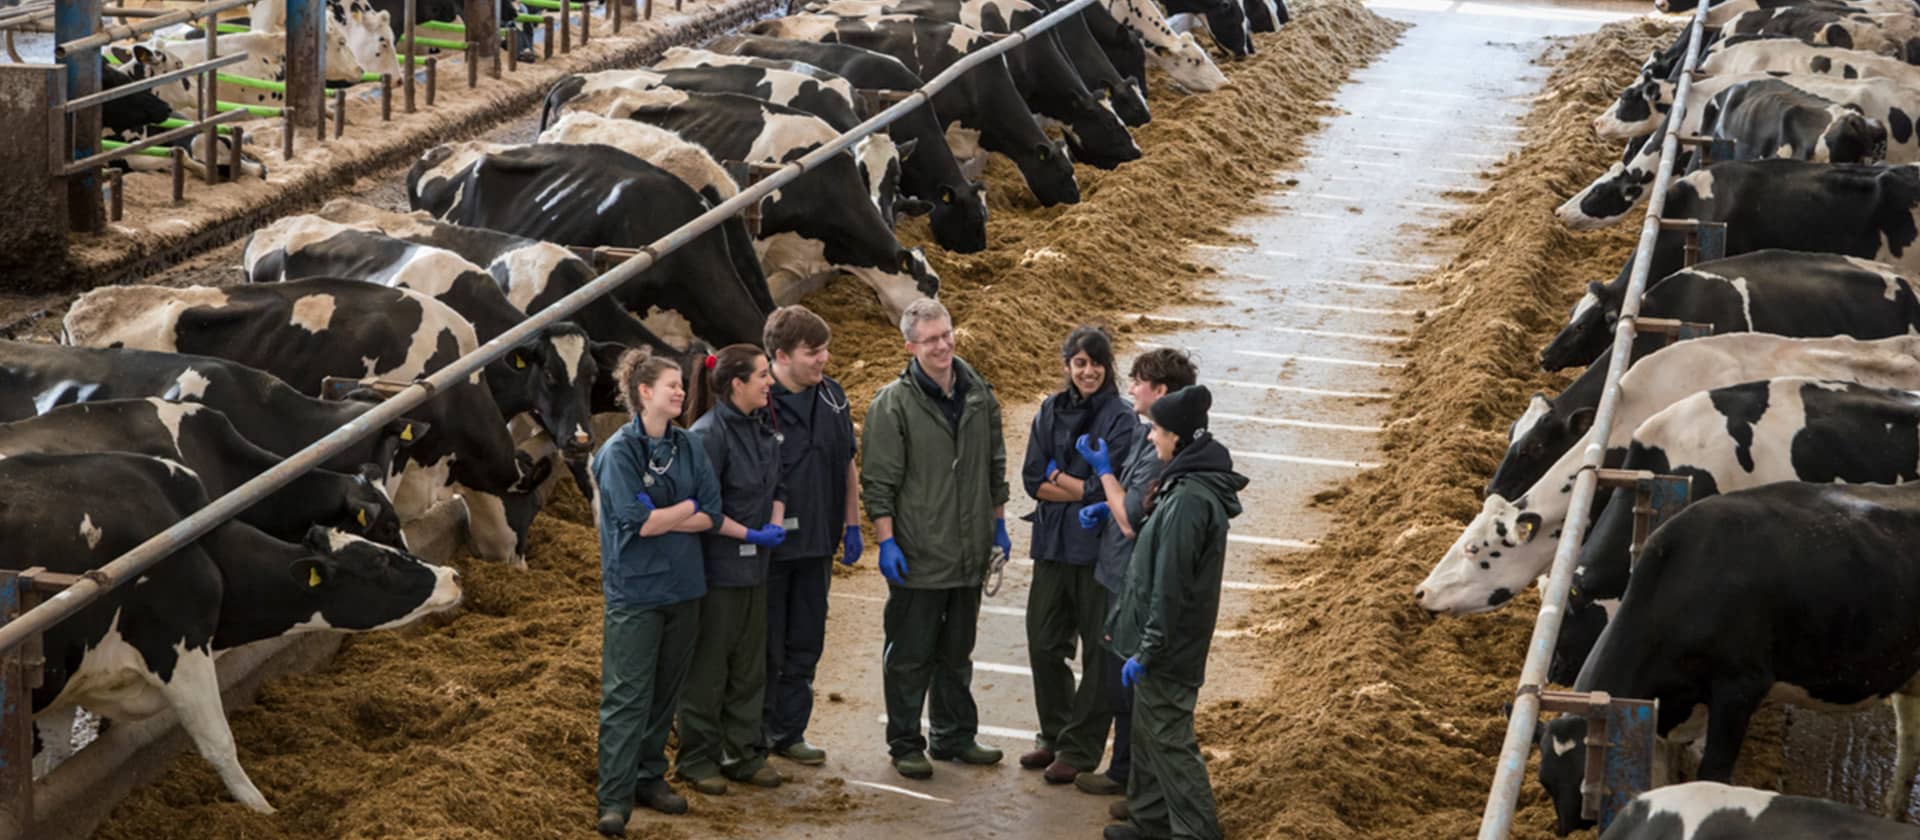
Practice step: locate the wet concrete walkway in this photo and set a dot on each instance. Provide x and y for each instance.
(1301, 348)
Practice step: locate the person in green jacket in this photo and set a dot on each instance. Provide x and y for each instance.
(654, 495)
(1163, 621)
(934, 479)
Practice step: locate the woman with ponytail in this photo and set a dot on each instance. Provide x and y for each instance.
(655, 494)
(1066, 606)
(1163, 621)
(721, 709)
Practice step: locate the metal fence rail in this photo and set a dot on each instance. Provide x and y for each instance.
(1502, 800)
(73, 598)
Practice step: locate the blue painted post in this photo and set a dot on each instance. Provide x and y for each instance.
(73, 20)
(1631, 729)
(306, 62)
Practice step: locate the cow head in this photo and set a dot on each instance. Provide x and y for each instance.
(370, 510)
(554, 373)
(1675, 6)
(1097, 135)
(1579, 631)
(1638, 110)
(1500, 551)
(1048, 171)
(1187, 64)
(131, 114)
(1538, 439)
(1607, 200)
(959, 216)
(352, 584)
(1851, 137)
(152, 58)
(1587, 332)
(908, 280)
(364, 39)
(879, 163)
(1563, 767)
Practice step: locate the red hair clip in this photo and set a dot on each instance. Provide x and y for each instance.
(712, 360)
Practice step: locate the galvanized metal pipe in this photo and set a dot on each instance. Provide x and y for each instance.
(110, 34)
(1509, 774)
(150, 82)
(96, 161)
(130, 565)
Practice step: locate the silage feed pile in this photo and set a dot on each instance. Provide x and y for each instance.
(1381, 721)
(483, 725)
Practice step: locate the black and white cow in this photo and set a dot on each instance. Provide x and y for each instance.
(1891, 34)
(129, 115)
(357, 43)
(203, 440)
(1551, 428)
(305, 330)
(1046, 80)
(1125, 49)
(1126, 92)
(1819, 613)
(1512, 539)
(820, 227)
(599, 195)
(1713, 811)
(879, 160)
(1850, 209)
(549, 375)
(1174, 51)
(980, 112)
(1733, 438)
(1638, 110)
(1719, 14)
(37, 377)
(1768, 115)
(1006, 16)
(928, 171)
(150, 645)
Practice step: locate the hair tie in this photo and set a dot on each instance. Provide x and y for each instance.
(711, 361)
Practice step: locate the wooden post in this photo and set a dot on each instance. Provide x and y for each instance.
(493, 70)
(210, 99)
(339, 112)
(179, 176)
(73, 20)
(117, 183)
(235, 155)
(566, 26)
(482, 20)
(513, 55)
(473, 65)
(613, 10)
(16, 716)
(433, 75)
(306, 101)
(586, 22)
(386, 97)
(286, 134)
(406, 58)
(547, 47)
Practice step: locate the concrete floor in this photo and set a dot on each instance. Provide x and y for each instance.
(1301, 351)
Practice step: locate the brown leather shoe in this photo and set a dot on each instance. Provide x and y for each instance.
(1060, 773)
(1037, 759)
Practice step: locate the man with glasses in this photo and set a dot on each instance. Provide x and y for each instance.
(933, 477)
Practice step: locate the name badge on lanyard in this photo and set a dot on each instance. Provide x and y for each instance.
(748, 550)
(792, 523)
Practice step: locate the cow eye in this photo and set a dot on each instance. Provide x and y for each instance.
(906, 263)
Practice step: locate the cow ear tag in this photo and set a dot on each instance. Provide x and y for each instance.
(361, 516)
(1523, 530)
(519, 362)
(406, 432)
(313, 578)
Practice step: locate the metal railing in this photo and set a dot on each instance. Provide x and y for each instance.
(1502, 800)
(70, 600)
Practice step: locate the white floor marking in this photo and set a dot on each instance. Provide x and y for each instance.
(1345, 284)
(1289, 255)
(1271, 541)
(1386, 339)
(1250, 587)
(1424, 205)
(1358, 310)
(1324, 360)
(926, 797)
(1299, 389)
(1284, 421)
(1305, 460)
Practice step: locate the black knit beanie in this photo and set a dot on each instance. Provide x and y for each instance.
(1183, 412)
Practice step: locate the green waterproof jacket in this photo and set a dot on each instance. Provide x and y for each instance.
(1170, 598)
(939, 485)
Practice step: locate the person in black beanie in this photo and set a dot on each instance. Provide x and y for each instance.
(1163, 621)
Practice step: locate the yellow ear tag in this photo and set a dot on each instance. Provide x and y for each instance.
(362, 517)
(519, 363)
(406, 432)
(313, 577)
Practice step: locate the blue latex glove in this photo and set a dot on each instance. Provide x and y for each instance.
(893, 563)
(768, 535)
(696, 503)
(851, 546)
(645, 500)
(1092, 515)
(1001, 540)
(1052, 467)
(1094, 450)
(1131, 672)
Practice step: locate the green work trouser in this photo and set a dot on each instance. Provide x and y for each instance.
(720, 710)
(927, 660)
(1065, 606)
(643, 663)
(1168, 794)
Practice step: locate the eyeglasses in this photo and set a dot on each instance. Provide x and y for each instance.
(942, 338)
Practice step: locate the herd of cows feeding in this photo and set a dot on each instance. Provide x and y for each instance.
(1788, 578)
(158, 398)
